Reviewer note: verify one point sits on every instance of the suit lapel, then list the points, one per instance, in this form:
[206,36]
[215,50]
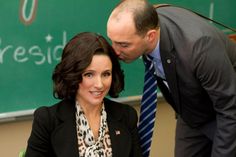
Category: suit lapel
[64,136]
[120,137]
[169,65]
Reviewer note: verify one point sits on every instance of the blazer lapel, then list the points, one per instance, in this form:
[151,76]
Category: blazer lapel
[169,65]
[64,136]
[120,138]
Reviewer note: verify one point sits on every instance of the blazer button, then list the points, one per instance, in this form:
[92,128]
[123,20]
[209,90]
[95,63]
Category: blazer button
[168,61]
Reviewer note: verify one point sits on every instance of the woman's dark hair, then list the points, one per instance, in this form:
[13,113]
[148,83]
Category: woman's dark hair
[76,57]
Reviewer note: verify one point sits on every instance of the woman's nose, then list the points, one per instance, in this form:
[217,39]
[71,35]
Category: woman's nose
[99,82]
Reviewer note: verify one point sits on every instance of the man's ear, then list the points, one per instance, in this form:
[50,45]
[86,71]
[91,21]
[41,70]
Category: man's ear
[151,35]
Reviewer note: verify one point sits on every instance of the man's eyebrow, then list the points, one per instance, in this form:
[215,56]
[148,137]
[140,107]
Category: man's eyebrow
[121,42]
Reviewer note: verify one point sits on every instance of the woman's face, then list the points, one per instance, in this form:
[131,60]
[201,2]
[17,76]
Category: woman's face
[96,81]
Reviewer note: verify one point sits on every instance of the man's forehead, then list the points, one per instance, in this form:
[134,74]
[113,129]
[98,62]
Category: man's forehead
[120,35]
[123,27]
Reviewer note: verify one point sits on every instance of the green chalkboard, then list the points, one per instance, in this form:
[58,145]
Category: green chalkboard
[33,34]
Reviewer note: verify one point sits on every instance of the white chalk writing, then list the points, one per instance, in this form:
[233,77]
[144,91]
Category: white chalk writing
[34,53]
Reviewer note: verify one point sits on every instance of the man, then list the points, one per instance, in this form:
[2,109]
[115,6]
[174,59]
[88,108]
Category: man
[198,62]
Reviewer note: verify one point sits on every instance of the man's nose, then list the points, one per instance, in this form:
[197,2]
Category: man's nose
[116,49]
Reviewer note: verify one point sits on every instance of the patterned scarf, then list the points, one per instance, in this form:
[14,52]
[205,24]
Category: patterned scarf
[88,146]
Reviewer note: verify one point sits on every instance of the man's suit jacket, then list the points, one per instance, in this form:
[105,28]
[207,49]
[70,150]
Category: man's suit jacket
[199,62]
[54,131]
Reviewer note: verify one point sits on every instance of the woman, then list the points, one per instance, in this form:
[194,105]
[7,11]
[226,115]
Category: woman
[84,123]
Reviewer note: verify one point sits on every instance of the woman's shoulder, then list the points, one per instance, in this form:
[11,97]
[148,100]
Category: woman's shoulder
[51,116]
[42,110]
[45,112]
[113,104]
[119,110]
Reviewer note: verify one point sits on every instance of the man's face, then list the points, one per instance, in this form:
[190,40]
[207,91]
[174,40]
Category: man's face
[127,44]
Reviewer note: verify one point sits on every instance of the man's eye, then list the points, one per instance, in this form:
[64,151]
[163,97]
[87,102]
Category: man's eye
[124,45]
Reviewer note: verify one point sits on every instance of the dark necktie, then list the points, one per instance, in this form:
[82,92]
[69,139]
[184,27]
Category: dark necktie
[148,107]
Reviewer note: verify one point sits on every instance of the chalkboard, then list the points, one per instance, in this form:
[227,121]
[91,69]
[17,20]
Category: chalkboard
[33,34]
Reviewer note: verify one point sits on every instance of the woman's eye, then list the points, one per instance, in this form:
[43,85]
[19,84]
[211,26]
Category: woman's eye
[106,74]
[88,75]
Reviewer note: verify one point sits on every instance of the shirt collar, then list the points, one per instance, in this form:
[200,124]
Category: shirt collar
[156,52]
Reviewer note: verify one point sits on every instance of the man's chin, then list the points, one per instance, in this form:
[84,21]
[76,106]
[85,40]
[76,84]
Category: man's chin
[125,60]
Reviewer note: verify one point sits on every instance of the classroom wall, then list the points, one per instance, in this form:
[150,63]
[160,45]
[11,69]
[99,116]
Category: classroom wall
[14,135]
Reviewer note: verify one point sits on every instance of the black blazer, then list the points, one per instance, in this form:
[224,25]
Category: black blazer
[54,131]
[199,62]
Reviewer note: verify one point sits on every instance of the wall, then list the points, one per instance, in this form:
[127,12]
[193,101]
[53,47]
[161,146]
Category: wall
[14,135]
